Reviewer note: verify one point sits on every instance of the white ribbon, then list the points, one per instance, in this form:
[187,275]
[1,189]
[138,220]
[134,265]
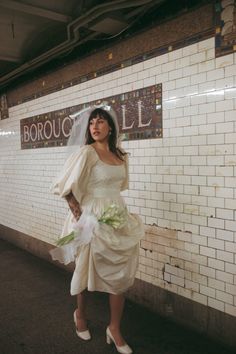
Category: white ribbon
[84,232]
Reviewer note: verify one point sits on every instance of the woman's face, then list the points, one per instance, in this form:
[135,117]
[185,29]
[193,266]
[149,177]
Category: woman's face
[99,129]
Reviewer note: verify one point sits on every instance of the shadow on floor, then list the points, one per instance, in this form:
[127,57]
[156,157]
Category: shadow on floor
[36,316]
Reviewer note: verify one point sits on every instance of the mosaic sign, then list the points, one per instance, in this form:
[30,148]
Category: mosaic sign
[45,130]
[139,115]
[225,36]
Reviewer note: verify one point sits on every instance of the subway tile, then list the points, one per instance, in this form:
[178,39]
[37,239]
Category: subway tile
[179,181]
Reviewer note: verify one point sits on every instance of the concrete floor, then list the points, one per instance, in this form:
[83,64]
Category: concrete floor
[36,316]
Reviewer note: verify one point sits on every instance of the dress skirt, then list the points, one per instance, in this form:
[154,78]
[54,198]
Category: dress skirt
[109,262]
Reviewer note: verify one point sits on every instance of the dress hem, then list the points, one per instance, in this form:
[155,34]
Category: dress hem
[102,291]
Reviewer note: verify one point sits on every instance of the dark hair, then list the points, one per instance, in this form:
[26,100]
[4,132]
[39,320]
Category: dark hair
[112,140]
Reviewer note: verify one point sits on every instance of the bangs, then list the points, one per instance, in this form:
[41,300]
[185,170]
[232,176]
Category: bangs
[99,113]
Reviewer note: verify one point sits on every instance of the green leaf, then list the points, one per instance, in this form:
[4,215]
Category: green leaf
[66,239]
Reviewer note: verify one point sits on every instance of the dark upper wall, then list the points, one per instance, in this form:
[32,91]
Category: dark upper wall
[178,32]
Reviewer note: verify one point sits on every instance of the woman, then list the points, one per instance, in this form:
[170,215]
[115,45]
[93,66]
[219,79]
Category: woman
[91,182]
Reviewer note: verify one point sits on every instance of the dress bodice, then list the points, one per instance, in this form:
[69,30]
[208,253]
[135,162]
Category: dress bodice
[105,179]
[84,174]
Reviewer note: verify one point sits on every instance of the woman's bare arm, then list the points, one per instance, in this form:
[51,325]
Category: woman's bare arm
[73,205]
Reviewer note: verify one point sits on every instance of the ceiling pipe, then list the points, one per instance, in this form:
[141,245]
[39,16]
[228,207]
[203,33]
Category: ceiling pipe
[73,36]
[108,7]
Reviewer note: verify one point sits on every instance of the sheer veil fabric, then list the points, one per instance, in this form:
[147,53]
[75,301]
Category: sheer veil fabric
[78,132]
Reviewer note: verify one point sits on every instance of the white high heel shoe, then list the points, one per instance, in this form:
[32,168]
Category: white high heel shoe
[123,349]
[85,335]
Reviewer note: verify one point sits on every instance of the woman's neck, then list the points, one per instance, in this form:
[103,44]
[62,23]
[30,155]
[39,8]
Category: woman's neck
[101,145]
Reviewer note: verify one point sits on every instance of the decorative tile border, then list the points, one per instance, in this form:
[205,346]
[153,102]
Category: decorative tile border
[225,31]
[4,113]
[131,61]
[139,115]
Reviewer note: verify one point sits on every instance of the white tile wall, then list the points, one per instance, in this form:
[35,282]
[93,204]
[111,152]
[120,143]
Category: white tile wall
[183,184]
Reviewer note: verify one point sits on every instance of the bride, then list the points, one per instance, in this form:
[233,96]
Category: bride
[91,180]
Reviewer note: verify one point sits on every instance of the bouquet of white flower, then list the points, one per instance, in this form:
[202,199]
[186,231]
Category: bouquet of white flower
[114,216]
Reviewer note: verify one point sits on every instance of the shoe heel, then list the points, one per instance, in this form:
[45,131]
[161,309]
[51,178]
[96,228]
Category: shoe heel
[108,339]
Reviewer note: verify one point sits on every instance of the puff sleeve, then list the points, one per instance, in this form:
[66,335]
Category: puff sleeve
[74,175]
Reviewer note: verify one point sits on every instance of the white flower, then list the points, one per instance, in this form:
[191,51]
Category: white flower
[113,216]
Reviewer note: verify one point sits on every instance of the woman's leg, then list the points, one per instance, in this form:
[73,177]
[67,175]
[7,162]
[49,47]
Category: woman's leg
[116,308]
[81,311]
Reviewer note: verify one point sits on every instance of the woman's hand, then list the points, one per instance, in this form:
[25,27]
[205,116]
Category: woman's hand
[73,205]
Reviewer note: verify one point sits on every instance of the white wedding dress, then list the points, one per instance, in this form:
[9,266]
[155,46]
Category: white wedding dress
[109,261]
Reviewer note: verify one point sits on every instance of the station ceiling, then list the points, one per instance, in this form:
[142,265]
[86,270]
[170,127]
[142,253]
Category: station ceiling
[35,34]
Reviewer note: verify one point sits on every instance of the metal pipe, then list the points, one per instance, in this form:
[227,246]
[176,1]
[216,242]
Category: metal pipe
[73,36]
